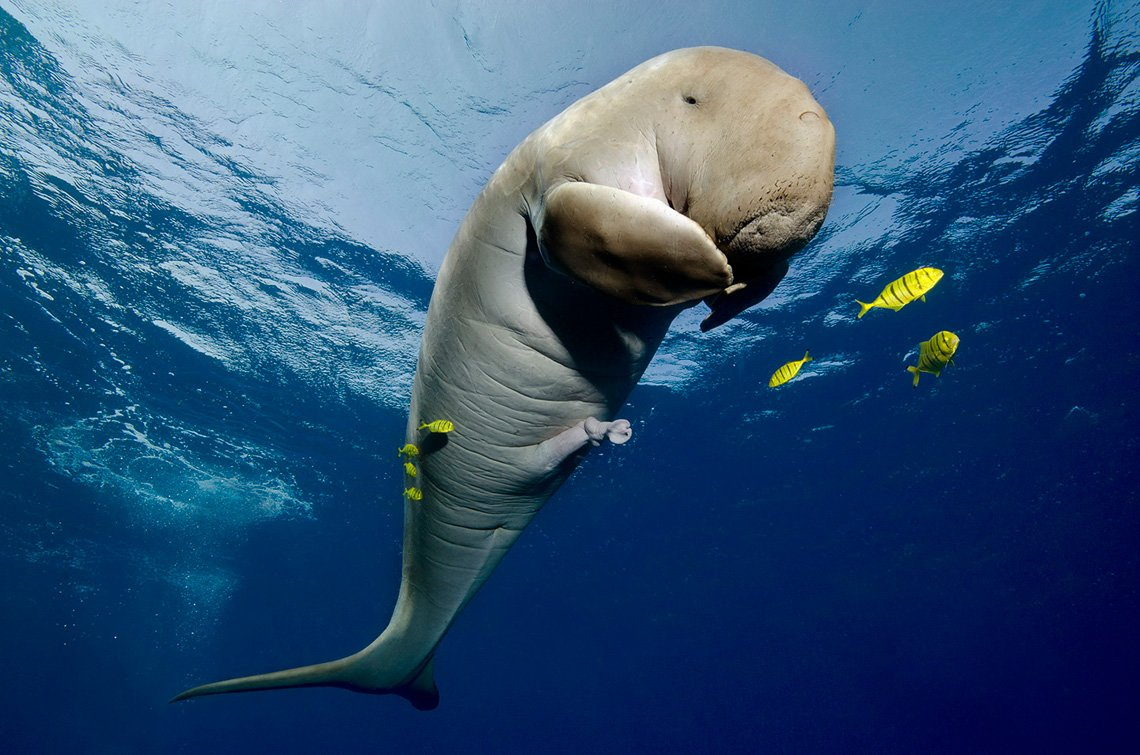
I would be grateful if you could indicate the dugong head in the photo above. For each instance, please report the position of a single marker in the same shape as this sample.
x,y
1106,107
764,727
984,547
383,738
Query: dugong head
x,y
746,152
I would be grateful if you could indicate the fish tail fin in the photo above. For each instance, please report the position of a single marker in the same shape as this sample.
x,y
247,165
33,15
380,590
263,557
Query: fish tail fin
x,y
915,371
866,307
807,357
376,669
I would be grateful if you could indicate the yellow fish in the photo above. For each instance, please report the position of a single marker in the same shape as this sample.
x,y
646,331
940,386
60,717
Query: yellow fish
x,y
414,494
935,354
438,426
410,469
901,292
788,371
408,451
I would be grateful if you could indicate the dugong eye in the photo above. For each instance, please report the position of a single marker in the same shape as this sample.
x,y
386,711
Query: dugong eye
x,y
689,99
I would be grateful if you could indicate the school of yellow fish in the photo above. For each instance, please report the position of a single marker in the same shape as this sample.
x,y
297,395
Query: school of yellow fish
x,y
933,354
409,452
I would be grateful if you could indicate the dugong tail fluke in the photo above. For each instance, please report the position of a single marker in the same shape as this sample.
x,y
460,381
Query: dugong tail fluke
x,y
361,672
401,661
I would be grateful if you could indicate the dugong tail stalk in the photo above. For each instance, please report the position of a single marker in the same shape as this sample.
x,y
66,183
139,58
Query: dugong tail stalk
x,y
693,177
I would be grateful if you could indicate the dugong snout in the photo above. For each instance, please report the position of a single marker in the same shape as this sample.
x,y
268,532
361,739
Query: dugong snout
x,y
780,230
758,254
785,189
787,181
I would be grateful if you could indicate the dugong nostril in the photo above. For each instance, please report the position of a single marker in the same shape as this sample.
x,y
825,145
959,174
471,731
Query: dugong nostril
x,y
809,116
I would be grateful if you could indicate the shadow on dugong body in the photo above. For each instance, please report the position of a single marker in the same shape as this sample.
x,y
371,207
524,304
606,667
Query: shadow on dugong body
x,y
691,178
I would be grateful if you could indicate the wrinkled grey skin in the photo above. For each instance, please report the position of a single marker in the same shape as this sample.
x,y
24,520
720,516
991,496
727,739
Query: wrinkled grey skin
x,y
692,177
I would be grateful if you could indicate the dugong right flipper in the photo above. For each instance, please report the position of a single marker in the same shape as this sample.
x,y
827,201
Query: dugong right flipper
x,y
634,248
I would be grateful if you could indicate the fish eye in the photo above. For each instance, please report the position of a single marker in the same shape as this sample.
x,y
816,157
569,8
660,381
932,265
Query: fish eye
x,y
689,99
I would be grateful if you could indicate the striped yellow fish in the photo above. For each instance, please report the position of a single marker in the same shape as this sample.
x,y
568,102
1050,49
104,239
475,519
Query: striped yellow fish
x,y
935,354
899,293
788,371
438,426
410,469
414,494
408,450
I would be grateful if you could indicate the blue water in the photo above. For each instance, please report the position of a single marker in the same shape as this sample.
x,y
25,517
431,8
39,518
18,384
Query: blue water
x,y
218,234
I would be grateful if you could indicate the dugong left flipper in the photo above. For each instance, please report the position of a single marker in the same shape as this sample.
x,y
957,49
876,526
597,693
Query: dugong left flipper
x,y
692,177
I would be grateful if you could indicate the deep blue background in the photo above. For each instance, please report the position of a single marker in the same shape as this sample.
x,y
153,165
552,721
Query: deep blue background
x,y
844,565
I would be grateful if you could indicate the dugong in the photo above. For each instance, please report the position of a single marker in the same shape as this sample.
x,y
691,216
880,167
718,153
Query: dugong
x,y
693,177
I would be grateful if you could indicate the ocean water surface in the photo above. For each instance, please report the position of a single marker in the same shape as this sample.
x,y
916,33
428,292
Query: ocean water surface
x,y
219,228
